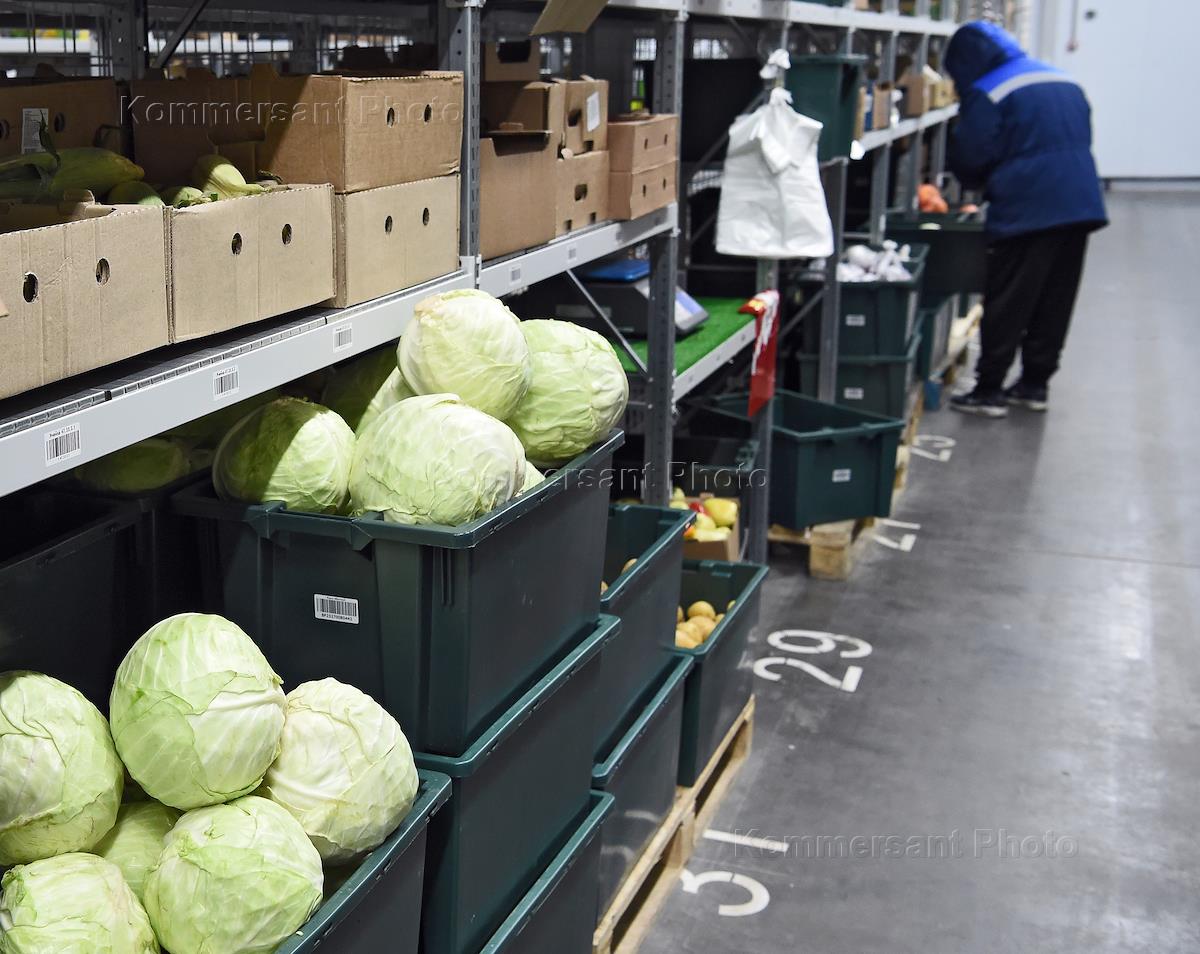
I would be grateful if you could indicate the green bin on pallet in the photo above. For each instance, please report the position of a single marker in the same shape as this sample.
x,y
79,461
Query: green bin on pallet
x,y
877,383
828,462
640,774
719,685
518,793
443,626
957,250
377,907
558,914
825,87
643,598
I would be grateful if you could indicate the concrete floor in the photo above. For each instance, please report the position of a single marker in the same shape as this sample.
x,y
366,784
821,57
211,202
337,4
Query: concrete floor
x,y
1034,670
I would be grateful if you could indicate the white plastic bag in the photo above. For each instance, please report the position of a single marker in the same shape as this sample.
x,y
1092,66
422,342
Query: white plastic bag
x,y
772,202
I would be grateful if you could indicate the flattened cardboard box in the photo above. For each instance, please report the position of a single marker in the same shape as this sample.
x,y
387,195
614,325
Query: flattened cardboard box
x,y
582,191
395,237
242,260
634,194
585,125
81,295
643,143
77,113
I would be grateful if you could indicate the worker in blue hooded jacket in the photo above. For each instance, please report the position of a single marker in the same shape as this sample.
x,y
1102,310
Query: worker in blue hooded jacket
x,y
1024,136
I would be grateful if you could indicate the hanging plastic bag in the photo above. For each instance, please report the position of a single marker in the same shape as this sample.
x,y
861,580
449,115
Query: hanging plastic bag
x,y
772,201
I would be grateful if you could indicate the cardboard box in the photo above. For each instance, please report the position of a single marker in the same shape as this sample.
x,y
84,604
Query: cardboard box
x,y
77,113
525,107
645,142
512,61
394,237
585,124
84,292
515,213
944,94
582,191
918,91
860,114
568,16
634,194
354,132
728,549
242,260
881,106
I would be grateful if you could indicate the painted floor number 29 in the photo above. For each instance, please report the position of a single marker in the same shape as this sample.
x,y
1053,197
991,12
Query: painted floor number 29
x,y
813,643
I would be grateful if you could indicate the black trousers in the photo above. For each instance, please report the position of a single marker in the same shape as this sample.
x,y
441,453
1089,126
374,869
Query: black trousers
x,y
1032,284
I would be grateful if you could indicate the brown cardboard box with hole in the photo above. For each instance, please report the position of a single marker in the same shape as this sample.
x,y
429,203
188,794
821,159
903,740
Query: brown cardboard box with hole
x,y
644,142
238,261
354,132
918,91
582,191
77,113
82,292
585,123
525,107
881,106
395,237
634,194
512,61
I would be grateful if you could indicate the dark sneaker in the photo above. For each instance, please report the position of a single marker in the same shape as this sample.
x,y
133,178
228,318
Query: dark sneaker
x,y
1028,397
982,403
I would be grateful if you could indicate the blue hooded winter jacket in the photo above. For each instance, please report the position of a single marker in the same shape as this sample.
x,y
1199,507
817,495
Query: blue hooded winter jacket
x,y
1024,134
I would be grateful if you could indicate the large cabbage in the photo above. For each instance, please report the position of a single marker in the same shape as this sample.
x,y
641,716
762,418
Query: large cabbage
x,y
146,465
531,478
60,778
233,879
578,393
197,712
431,459
345,770
207,431
362,389
467,343
290,450
136,840
72,904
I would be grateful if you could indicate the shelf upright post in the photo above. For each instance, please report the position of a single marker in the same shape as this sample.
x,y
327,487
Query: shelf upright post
x,y
881,167
459,37
128,42
910,169
664,277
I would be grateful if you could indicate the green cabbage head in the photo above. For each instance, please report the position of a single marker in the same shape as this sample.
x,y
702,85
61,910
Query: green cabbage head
x,y
432,459
345,771
136,840
578,393
531,478
146,465
364,388
467,343
197,711
233,879
60,778
290,450
71,904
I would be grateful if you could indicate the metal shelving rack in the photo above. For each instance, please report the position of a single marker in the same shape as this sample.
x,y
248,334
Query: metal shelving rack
x,y
128,402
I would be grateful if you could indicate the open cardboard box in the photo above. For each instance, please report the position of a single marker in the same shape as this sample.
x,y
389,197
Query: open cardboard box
x,y
512,61
77,112
582,191
585,125
728,549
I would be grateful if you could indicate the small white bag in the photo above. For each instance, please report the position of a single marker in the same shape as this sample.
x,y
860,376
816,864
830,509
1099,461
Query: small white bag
x,y
772,201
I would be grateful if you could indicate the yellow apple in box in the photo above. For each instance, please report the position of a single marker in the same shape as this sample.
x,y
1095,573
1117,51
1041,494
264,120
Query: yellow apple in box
x,y
717,535
705,522
723,510
677,504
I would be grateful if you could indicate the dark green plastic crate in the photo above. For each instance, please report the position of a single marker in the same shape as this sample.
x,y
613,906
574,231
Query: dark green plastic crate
x,y
876,383
957,250
825,87
66,577
714,465
454,623
828,462
935,324
517,794
644,598
378,907
558,914
640,774
719,685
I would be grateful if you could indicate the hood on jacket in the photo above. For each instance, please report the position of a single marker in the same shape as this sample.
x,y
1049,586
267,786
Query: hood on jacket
x,y
976,49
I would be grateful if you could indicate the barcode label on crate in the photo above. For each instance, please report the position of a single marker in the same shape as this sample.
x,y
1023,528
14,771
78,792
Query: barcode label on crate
x,y
343,337
842,475
853,394
336,609
226,382
856,321
63,443
593,111
31,124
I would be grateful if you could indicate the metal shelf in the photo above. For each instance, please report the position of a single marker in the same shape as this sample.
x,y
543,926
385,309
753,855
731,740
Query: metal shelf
x,y
812,14
712,362
907,127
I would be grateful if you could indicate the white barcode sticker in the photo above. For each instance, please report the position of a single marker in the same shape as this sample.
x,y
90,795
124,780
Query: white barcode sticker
x,y
63,443
343,336
31,126
226,382
856,321
853,394
842,475
336,609
593,112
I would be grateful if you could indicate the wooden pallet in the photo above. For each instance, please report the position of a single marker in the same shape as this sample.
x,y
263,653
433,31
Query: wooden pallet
x,y
915,410
654,876
833,548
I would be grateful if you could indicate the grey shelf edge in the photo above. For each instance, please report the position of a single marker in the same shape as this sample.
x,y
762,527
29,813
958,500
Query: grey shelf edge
x,y
158,397
712,362
816,14
875,138
512,274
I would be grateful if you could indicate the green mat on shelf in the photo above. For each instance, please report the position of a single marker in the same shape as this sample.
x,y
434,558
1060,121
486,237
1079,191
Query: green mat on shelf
x,y
723,322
